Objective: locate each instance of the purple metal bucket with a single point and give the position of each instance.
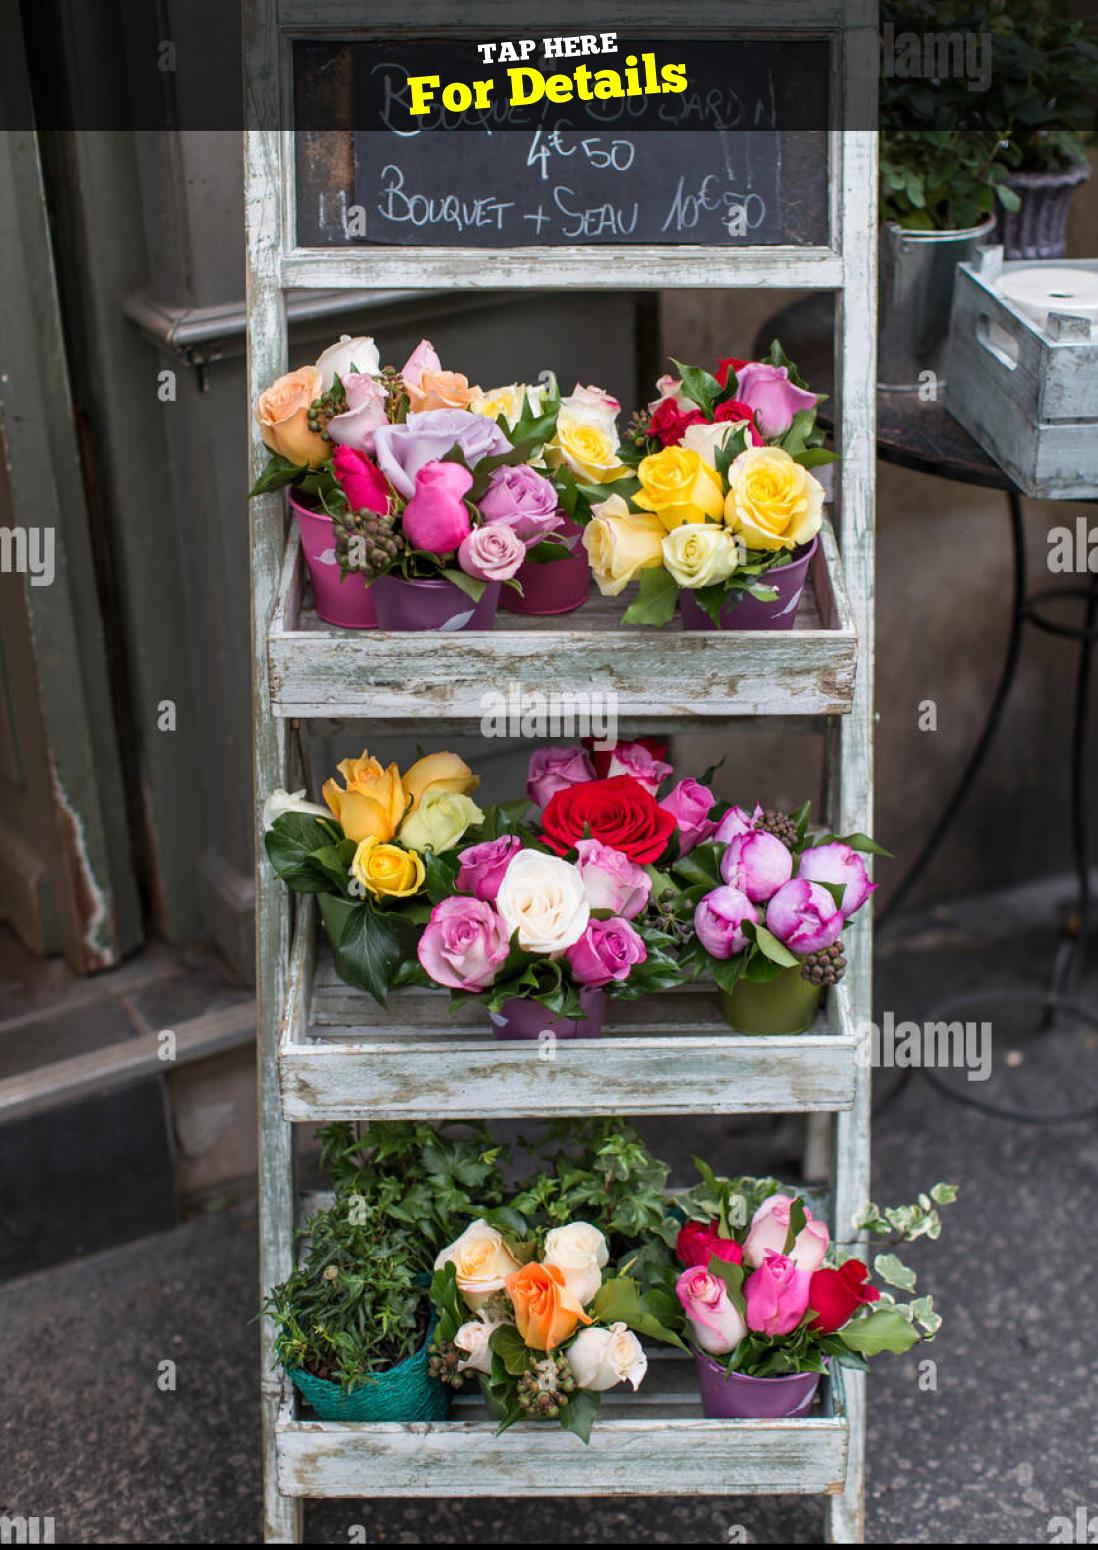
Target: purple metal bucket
(521, 1018)
(436, 604)
(751, 614)
(348, 604)
(740, 1398)
(558, 586)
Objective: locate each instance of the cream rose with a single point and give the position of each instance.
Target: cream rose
(481, 1261)
(439, 821)
(544, 900)
(707, 440)
(587, 443)
(700, 554)
(475, 1340)
(620, 543)
(602, 1358)
(348, 355)
(772, 502)
(510, 401)
(281, 801)
(579, 1251)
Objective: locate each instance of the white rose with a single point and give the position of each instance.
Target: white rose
(602, 1358)
(475, 1339)
(481, 1261)
(707, 440)
(544, 900)
(697, 554)
(281, 801)
(339, 359)
(579, 1251)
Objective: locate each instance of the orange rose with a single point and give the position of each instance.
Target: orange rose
(441, 390)
(373, 804)
(283, 417)
(546, 1313)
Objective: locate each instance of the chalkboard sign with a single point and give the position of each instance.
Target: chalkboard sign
(739, 158)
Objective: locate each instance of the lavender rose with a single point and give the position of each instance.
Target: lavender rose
(758, 863)
(606, 951)
(523, 499)
(804, 916)
(463, 944)
(492, 553)
(775, 400)
(839, 864)
(482, 866)
(719, 919)
(402, 450)
(555, 769)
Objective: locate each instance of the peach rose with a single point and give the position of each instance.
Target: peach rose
(441, 390)
(282, 414)
(546, 1312)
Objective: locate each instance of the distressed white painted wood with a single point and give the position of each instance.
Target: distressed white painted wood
(343, 18)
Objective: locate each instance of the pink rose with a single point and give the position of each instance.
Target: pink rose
(523, 499)
(436, 518)
(719, 919)
(736, 822)
(606, 951)
(758, 863)
(635, 759)
(610, 880)
(423, 358)
(839, 864)
(482, 866)
(689, 803)
(555, 769)
(775, 400)
(770, 1229)
(715, 1322)
(776, 1295)
(463, 944)
(492, 553)
(805, 917)
(366, 413)
(361, 481)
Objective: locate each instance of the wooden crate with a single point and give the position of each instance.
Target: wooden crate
(1028, 395)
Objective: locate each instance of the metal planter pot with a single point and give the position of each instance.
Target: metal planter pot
(1039, 228)
(916, 290)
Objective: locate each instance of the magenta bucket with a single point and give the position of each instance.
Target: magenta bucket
(348, 603)
(557, 586)
(434, 604)
(751, 614)
(521, 1018)
(740, 1398)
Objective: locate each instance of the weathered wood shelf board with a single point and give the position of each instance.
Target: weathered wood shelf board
(341, 1056)
(318, 670)
(654, 1443)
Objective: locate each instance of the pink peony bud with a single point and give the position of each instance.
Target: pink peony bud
(689, 803)
(737, 821)
(758, 863)
(804, 916)
(839, 864)
(719, 919)
(436, 518)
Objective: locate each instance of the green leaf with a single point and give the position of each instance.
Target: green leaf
(883, 1330)
(447, 1301)
(619, 1301)
(294, 841)
(440, 876)
(732, 1276)
(861, 842)
(656, 597)
(893, 1272)
(366, 944)
(579, 1413)
(697, 385)
(277, 472)
(472, 586)
(922, 1310)
(944, 1194)
(797, 1218)
(776, 951)
(512, 1350)
(724, 972)
(814, 457)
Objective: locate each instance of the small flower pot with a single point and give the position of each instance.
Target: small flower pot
(347, 602)
(434, 604)
(748, 613)
(406, 1392)
(736, 1397)
(785, 1004)
(521, 1018)
(552, 586)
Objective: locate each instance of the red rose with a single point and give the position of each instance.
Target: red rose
(732, 409)
(724, 366)
(834, 1295)
(669, 422)
(617, 811)
(698, 1243)
(658, 747)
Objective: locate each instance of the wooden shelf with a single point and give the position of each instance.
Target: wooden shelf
(653, 1443)
(317, 670)
(341, 1056)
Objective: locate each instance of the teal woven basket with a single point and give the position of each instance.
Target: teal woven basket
(406, 1392)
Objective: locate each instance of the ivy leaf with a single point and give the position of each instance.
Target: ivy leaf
(893, 1272)
(440, 877)
(944, 1194)
(883, 1330)
(293, 841)
(366, 944)
(656, 597)
(579, 1413)
(509, 1346)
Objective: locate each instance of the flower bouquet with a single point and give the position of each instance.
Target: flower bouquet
(770, 903)
(768, 1301)
(722, 515)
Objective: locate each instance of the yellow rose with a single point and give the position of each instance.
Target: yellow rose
(620, 543)
(282, 414)
(773, 503)
(386, 871)
(440, 820)
(438, 769)
(679, 486)
(699, 554)
(373, 803)
(587, 444)
(510, 402)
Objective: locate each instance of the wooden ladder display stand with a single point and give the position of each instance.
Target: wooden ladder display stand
(325, 1052)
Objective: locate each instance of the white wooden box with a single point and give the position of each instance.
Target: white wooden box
(1027, 394)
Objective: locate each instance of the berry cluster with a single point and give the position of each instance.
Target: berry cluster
(781, 826)
(443, 1358)
(325, 408)
(826, 967)
(639, 429)
(545, 1389)
(367, 542)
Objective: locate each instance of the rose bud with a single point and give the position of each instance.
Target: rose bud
(719, 918)
(482, 866)
(716, 1324)
(758, 863)
(776, 1295)
(689, 803)
(805, 917)
(838, 864)
(770, 1228)
(361, 481)
(699, 1242)
(436, 518)
(836, 1295)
